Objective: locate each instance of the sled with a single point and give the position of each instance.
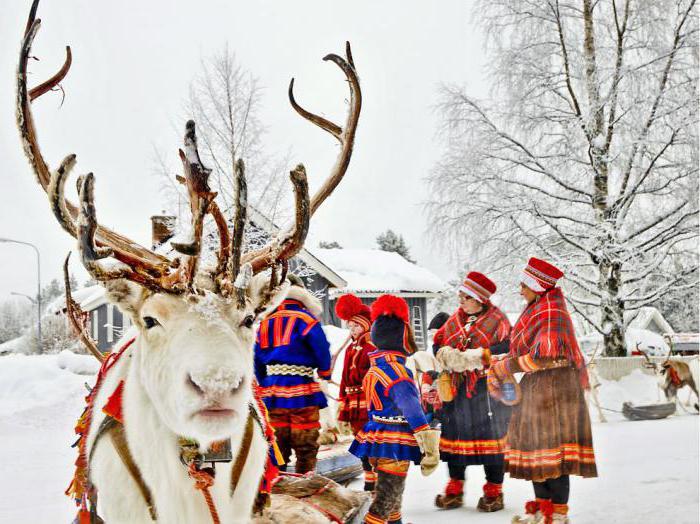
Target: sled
(648, 412)
(336, 463)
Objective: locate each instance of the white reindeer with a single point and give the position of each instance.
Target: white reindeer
(189, 371)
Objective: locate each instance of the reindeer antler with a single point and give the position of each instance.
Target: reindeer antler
(287, 245)
(145, 267)
(73, 311)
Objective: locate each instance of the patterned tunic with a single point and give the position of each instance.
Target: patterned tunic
(355, 366)
(290, 345)
(395, 412)
(469, 435)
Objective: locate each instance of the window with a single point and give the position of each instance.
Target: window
(110, 323)
(95, 325)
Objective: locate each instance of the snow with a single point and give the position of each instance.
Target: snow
(20, 345)
(87, 298)
(642, 477)
(649, 342)
(376, 271)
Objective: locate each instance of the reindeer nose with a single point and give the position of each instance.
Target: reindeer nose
(216, 382)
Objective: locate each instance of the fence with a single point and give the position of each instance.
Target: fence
(614, 368)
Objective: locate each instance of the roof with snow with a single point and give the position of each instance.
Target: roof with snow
(372, 271)
(88, 298)
(651, 319)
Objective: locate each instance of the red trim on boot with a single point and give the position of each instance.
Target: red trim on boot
(492, 490)
(532, 507)
(547, 509)
(454, 487)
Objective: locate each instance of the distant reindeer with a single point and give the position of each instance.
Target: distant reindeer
(675, 375)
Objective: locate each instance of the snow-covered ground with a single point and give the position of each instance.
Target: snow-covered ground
(648, 470)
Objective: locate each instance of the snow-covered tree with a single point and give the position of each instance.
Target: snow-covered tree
(15, 317)
(585, 152)
(390, 241)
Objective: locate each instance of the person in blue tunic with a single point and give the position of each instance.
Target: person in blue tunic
(397, 431)
(290, 346)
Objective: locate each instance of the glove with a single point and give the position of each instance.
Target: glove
(345, 427)
(429, 444)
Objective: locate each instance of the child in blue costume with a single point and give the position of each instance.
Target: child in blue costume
(290, 346)
(397, 432)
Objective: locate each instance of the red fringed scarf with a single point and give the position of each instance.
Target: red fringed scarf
(545, 330)
(464, 331)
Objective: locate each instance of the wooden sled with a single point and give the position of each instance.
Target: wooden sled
(335, 463)
(648, 412)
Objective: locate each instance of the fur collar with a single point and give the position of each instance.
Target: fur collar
(305, 297)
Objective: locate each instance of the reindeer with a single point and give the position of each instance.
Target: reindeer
(674, 375)
(188, 373)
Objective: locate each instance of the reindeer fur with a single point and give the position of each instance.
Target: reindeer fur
(205, 341)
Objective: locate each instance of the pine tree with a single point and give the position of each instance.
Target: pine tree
(329, 245)
(390, 241)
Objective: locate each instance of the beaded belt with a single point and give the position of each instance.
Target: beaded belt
(390, 420)
(350, 390)
(290, 369)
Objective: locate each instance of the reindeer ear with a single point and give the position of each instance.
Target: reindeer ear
(127, 296)
(262, 298)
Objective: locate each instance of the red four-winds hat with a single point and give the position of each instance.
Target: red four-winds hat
(350, 308)
(478, 286)
(540, 275)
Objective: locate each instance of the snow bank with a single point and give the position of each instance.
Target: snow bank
(78, 364)
(20, 345)
(30, 381)
(376, 271)
(637, 388)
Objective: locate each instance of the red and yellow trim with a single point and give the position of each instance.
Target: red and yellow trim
(472, 447)
(550, 457)
(290, 391)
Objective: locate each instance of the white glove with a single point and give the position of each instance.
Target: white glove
(458, 361)
(429, 444)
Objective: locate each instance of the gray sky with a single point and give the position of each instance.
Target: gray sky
(133, 61)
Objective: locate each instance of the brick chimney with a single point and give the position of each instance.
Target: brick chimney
(162, 229)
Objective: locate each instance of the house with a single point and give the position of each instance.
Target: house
(370, 273)
(105, 322)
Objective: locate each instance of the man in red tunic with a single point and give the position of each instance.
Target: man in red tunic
(353, 406)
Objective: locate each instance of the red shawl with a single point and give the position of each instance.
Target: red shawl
(545, 330)
(463, 331)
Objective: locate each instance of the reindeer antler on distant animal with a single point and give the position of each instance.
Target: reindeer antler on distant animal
(146, 267)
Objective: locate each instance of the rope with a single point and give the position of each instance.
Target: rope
(203, 480)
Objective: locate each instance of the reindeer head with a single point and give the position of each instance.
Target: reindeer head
(196, 324)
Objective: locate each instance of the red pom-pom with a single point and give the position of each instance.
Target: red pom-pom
(390, 305)
(349, 306)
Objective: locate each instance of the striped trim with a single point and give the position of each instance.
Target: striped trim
(395, 515)
(550, 457)
(472, 447)
(421, 428)
(370, 518)
(527, 363)
(325, 373)
(475, 291)
(386, 437)
(290, 391)
(289, 370)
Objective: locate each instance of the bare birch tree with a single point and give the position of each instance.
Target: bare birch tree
(224, 99)
(585, 152)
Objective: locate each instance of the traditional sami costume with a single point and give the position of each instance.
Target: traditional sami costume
(549, 437)
(473, 424)
(290, 345)
(397, 432)
(353, 404)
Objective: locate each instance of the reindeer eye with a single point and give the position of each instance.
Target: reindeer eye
(150, 322)
(248, 321)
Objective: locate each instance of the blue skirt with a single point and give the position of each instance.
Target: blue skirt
(392, 441)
